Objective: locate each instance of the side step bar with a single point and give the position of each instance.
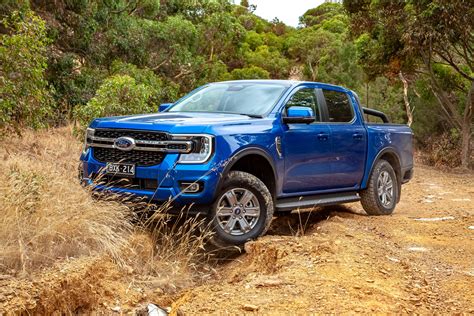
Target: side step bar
(288, 204)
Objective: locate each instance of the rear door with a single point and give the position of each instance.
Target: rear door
(306, 147)
(348, 138)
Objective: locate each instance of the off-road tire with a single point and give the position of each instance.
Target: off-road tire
(370, 200)
(242, 180)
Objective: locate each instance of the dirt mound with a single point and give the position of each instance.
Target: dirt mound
(76, 285)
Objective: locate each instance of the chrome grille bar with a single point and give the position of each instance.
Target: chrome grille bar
(92, 141)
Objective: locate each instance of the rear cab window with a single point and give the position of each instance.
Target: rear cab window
(338, 106)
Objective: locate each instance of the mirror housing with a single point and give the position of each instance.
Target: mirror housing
(299, 114)
(164, 106)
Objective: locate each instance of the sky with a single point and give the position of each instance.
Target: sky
(286, 11)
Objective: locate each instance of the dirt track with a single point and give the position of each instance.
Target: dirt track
(347, 261)
(344, 262)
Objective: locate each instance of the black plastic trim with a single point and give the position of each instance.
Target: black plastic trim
(383, 152)
(241, 154)
(407, 175)
(397, 172)
(295, 120)
(288, 204)
(376, 113)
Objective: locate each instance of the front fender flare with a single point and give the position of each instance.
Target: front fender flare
(239, 155)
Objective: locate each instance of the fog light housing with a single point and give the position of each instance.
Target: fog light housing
(190, 187)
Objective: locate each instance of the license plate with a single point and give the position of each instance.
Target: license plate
(120, 168)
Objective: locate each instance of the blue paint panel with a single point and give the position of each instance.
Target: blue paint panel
(348, 153)
(396, 139)
(307, 151)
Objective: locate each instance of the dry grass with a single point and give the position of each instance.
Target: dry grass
(47, 217)
(46, 214)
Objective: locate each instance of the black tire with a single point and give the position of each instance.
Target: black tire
(373, 202)
(236, 185)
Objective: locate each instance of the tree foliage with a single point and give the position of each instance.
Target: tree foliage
(24, 94)
(411, 59)
(431, 40)
(118, 95)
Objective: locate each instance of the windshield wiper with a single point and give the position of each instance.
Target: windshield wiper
(252, 115)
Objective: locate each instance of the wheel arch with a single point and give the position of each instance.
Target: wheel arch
(255, 161)
(391, 156)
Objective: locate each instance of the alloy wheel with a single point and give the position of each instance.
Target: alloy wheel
(238, 211)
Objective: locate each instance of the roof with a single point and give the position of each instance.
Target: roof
(288, 83)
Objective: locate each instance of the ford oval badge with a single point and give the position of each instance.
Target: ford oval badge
(124, 143)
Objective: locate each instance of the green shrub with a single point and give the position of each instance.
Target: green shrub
(74, 82)
(270, 60)
(212, 71)
(252, 72)
(118, 95)
(161, 90)
(25, 99)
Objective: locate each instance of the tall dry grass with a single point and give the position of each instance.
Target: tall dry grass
(170, 252)
(47, 216)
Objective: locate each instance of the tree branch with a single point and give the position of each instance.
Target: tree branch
(446, 105)
(451, 63)
(408, 109)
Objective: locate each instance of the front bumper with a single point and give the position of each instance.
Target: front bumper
(168, 175)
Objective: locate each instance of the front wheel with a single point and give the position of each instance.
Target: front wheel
(242, 211)
(381, 195)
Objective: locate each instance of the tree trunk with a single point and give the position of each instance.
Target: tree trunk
(449, 109)
(211, 56)
(408, 109)
(466, 129)
(367, 94)
(313, 75)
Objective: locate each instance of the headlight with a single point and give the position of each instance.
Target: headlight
(88, 138)
(203, 145)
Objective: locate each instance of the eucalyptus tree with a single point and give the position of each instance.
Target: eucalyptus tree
(429, 38)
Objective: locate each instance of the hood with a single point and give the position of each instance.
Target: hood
(178, 122)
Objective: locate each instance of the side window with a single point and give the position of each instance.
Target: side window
(305, 97)
(339, 106)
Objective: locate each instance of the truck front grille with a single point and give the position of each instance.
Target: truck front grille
(135, 134)
(138, 157)
(142, 148)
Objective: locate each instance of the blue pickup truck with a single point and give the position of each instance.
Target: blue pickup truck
(243, 151)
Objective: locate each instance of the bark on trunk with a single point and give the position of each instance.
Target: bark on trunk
(211, 56)
(408, 109)
(466, 129)
(313, 75)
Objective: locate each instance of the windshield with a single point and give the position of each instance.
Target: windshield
(253, 99)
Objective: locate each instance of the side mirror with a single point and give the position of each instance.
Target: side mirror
(299, 114)
(165, 106)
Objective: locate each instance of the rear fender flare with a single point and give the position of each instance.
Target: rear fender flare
(397, 170)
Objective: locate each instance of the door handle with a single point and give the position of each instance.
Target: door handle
(323, 136)
(358, 136)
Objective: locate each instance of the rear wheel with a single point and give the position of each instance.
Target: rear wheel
(243, 209)
(381, 195)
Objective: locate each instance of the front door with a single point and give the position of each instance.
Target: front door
(306, 147)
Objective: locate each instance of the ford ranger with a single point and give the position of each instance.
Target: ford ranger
(242, 151)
